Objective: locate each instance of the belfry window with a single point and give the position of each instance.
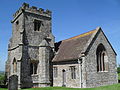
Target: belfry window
(33, 67)
(73, 72)
(102, 59)
(37, 25)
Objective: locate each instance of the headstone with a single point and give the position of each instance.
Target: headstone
(13, 82)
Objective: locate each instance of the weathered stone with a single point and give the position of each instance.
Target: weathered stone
(25, 47)
(13, 82)
(32, 55)
(87, 75)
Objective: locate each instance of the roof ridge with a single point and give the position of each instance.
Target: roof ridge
(81, 35)
(91, 38)
(76, 47)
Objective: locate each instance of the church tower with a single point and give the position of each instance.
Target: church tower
(31, 46)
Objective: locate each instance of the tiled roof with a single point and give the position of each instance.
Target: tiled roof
(71, 48)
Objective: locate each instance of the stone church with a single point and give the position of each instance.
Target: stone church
(84, 61)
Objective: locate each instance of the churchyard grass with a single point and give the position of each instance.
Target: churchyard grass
(110, 87)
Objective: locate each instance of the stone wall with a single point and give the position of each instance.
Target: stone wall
(34, 38)
(25, 43)
(58, 81)
(28, 45)
(94, 78)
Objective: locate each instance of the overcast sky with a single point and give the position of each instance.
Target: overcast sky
(69, 18)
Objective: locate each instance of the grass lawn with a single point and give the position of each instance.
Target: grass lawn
(111, 87)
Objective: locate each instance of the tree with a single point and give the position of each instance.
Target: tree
(118, 69)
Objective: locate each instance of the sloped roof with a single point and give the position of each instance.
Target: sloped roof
(71, 48)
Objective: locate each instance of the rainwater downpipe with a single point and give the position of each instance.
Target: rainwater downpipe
(80, 71)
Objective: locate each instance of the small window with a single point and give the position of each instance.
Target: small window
(55, 72)
(17, 22)
(33, 68)
(17, 25)
(14, 66)
(37, 25)
(73, 72)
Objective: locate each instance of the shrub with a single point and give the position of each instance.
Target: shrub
(118, 69)
(2, 79)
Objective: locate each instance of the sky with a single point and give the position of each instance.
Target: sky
(69, 18)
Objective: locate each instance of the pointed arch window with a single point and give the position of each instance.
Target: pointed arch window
(102, 58)
(14, 65)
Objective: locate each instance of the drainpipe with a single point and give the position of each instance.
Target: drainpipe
(80, 71)
(83, 70)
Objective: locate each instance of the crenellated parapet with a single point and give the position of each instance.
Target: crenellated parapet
(25, 7)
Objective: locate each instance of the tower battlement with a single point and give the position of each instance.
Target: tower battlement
(25, 7)
(31, 47)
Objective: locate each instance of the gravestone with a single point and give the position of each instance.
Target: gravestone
(13, 82)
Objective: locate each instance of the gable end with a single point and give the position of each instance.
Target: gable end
(94, 38)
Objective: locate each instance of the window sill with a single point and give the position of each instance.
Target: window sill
(34, 75)
(102, 71)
